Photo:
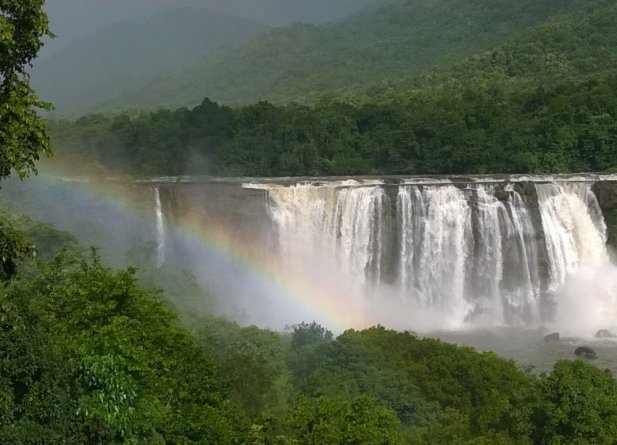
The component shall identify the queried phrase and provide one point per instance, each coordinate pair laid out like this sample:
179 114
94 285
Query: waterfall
522 282
493 226
412 214
477 252
574 229
443 250
160 229
342 221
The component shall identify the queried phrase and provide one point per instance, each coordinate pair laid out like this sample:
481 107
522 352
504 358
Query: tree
23 24
13 247
306 334
578 405
364 420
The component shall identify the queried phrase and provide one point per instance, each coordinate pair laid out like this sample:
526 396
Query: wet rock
552 337
605 333
606 192
501 194
585 352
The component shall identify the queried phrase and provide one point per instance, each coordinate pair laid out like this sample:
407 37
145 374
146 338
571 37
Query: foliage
46 240
177 287
14 247
23 24
329 421
579 405
476 128
89 356
543 102
124 371
253 363
309 334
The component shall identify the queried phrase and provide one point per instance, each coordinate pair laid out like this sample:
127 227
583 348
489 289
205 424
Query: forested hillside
567 47
127 53
543 103
303 62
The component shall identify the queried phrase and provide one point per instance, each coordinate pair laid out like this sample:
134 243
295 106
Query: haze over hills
76 19
304 62
122 55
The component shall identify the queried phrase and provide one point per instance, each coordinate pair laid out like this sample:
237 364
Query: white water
494 226
340 224
574 229
524 284
160 229
443 248
478 255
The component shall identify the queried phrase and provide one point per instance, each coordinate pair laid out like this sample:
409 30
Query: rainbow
296 288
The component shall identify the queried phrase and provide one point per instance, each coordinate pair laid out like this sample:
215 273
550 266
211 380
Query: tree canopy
23 24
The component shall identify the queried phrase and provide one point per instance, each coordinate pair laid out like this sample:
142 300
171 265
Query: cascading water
160 228
435 245
493 228
342 221
476 253
574 229
522 284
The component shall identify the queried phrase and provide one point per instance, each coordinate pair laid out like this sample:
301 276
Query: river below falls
528 347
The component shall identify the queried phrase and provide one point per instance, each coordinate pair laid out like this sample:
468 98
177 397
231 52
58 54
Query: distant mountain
303 62
284 12
125 54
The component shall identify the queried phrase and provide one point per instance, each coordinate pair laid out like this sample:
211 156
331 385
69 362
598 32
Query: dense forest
482 128
543 103
92 355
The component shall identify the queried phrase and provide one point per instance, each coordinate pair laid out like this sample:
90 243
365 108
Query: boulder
552 337
585 352
605 333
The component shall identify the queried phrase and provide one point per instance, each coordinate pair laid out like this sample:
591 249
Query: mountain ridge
304 62
122 54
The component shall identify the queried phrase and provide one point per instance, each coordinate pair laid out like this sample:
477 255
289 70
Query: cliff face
244 211
606 191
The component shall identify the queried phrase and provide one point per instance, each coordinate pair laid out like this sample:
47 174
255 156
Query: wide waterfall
410 253
485 253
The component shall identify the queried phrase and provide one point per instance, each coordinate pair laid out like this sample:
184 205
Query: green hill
305 61
568 47
543 102
124 54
